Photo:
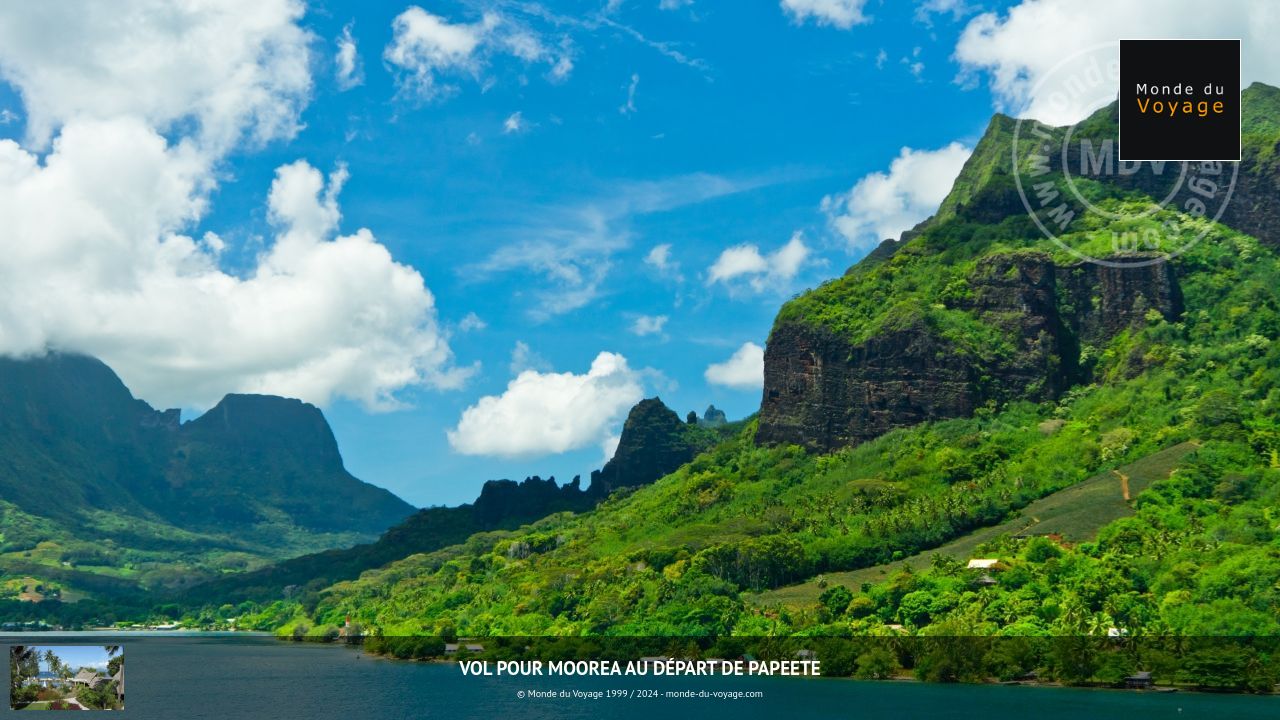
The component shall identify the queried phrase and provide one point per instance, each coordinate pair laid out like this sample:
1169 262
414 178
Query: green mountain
654 442
101 493
942 386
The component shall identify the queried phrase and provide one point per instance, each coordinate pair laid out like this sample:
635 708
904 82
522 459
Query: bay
237 676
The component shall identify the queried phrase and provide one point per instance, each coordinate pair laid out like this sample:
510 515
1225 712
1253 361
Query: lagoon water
239 676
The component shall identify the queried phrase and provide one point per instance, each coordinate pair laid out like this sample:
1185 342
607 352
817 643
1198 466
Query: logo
1095 205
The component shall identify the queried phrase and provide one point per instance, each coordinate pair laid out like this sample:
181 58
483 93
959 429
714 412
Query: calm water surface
257 677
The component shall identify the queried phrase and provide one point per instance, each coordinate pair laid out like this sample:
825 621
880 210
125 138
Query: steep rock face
823 392
502 502
1102 300
654 442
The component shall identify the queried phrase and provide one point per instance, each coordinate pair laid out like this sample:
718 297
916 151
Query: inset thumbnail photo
66 677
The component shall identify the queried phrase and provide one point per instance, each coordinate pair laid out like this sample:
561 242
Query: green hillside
1195 552
1071 515
103 496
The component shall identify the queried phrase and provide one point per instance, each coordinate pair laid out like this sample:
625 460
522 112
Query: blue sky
700 128
793 113
76 656
477 231
634 187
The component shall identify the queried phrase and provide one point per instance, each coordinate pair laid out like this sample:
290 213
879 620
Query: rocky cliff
654 442
963 309
823 391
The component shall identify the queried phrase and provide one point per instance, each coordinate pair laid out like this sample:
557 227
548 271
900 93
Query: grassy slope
1075 514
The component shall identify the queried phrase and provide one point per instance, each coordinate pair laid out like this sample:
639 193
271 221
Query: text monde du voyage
1181 99
675 667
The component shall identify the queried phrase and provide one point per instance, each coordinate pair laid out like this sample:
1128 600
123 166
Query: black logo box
1191 64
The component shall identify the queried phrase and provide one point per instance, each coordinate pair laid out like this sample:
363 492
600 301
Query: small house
450 648
1140 680
983 563
806 654
119 680
474 648
87 678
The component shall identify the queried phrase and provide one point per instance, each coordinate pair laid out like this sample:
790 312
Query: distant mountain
654 442
91 476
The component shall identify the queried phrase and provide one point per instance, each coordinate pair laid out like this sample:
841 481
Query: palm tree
24 663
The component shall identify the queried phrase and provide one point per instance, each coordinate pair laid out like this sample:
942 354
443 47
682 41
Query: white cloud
882 205
629 106
7 116
95 257
744 370
648 325
426 46
955 8
673 4
843 14
659 256
761 271
348 70
1018 50
881 58
513 124
429 52
542 413
235 68
471 322
914 64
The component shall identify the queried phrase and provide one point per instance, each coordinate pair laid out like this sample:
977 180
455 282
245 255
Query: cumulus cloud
425 47
843 14
746 262
882 205
648 325
514 123
544 413
429 52
348 70
234 68
744 370
96 256
1017 50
